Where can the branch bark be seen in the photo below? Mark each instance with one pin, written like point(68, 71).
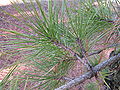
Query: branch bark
point(65, 48)
point(84, 54)
point(89, 74)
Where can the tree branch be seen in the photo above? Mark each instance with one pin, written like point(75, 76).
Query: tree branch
point(64, 47)
point(87, 63)
point(99, 51)
point(90, 74)
point(78, 57)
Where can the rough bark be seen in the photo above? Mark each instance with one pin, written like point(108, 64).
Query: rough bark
point(90, 74)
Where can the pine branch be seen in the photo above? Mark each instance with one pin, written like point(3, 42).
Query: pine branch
point(78, 57)
point(65, 48)
point(87, 63)
point(89, 74)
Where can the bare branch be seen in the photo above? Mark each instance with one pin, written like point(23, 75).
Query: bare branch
point(89, 74)
point(66, 78)
point(99, 51)
point(96, 52)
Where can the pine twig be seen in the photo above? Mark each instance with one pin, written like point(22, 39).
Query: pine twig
point(71, 52)
point(99, 51)
point(87, 63)
point(65, 48)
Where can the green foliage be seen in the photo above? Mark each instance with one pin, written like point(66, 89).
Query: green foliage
point(58, 24)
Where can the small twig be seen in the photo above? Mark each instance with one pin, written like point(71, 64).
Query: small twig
point(66, 78)
point(65, 48)
point(78, 57)
point(70, 51)
point(96, 52)
point(87, 63)
point(89, 74)
point(113, 45)
point(99, 51)
point(82, 61)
